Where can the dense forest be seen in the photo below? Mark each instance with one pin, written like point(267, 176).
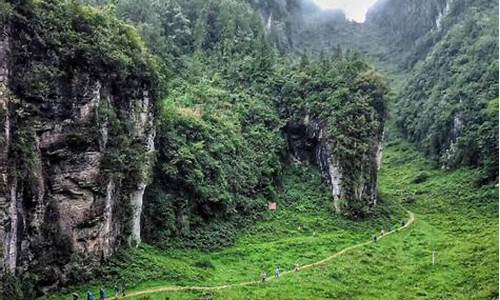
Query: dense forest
point(175, 123)
point(220, 144)
point(449, 105)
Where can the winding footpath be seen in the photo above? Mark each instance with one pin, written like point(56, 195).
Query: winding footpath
point(410, 221)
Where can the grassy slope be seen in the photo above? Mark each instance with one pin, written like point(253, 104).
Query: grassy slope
point(303, 230)
point(455, 218)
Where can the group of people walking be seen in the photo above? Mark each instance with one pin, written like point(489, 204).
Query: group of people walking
point(382, 232)
point(263, 277)
point(277, 272)
point(102, 294)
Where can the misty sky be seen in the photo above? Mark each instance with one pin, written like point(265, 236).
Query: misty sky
point(354, 9)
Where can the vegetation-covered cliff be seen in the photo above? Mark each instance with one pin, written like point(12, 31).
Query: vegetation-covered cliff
point(77, 113)
point(448, 106)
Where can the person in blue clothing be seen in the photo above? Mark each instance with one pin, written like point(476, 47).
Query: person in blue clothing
point(117, 291)
point(90, 296)
point(102, 294)
point(277, 272)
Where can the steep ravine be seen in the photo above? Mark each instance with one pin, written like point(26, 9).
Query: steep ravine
point(78, 112)
point(443, 58)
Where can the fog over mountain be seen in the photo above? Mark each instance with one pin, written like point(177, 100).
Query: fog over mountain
point(354, 9)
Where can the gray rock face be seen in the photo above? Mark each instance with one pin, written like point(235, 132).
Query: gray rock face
point(7, 194)
point(309, 143)
point(407, 20)
point(63, 200)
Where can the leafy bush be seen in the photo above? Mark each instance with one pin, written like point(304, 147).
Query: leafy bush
point(421, 177)
point(409, 198)
point(15, 287)
point(11, 287)
point(5, 11)
point(204, 264)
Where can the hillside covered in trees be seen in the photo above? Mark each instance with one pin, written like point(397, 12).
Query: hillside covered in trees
point(174, 124)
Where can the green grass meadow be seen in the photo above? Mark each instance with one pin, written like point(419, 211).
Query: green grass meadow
point(456, 218)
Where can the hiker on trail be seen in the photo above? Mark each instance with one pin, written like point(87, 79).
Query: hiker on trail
point(263, 276)
point(102, 294)
point(296, 267)
point(277, 272)
point(382, 232)
point(123, 291)
point(117, 292)
point(374, 238)
point(75, 296)
point(90, 296)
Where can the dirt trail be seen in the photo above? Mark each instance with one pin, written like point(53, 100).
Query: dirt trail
point(410, 221)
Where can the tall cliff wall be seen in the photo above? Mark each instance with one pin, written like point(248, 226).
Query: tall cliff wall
point(76, 141)
point(309, 142)
point(335, 113)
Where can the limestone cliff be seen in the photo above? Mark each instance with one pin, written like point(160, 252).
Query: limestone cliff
point(309, 142)
point(74, 155)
